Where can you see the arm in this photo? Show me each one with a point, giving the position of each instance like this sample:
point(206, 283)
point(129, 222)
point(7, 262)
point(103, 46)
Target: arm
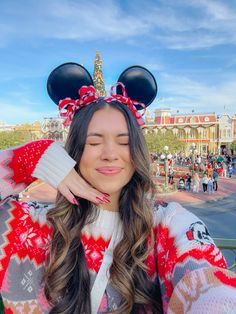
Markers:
point(45, 160)
point(191, 269)
point(42, 159)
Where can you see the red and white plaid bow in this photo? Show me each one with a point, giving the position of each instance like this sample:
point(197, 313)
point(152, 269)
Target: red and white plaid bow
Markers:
point(68, 107)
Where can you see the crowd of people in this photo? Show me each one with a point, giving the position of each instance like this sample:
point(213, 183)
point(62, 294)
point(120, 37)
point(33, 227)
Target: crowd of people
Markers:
point(202, 173)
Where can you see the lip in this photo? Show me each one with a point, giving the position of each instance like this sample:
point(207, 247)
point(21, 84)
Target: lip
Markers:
point(109, 171)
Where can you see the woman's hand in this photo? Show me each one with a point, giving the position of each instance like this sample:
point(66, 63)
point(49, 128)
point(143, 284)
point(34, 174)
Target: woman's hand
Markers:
point(74, 185)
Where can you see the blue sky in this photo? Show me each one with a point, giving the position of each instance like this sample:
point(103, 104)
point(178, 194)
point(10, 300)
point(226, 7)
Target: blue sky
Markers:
point(189, 45)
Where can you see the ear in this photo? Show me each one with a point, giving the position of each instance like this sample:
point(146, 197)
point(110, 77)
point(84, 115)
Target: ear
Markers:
point(140, 85)
point(66, 80)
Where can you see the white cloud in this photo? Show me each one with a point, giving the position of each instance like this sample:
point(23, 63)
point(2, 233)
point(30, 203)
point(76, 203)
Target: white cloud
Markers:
point(192, 24)
point(217, 10)
point(185, 24)
point(77, 20)
point(185, 94)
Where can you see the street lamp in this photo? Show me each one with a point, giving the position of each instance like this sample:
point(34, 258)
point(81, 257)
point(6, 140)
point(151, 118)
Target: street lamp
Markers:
point(165, 156)
point(193, 150)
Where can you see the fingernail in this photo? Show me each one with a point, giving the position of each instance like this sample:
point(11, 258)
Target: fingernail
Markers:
point(105, 199)
point(75, 201)
point(102, 200)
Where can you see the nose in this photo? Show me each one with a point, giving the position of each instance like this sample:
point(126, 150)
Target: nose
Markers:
point(109, 152)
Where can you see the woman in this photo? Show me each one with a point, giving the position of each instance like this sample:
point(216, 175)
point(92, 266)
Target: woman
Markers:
point(145, 256)
point(196, 182)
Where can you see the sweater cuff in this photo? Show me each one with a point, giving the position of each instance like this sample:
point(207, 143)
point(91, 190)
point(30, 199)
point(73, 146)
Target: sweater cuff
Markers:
point(54, 165)
point(205, 290)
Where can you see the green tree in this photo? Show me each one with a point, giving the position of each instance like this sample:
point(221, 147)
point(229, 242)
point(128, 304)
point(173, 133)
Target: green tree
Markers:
point(13, 138)
point(157, 141)
point(233, 146)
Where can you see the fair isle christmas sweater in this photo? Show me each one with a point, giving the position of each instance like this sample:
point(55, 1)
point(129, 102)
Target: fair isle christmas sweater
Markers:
point(191, 270)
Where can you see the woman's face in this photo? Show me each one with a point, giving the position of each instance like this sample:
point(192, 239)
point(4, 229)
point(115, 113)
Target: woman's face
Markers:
point(106, 162)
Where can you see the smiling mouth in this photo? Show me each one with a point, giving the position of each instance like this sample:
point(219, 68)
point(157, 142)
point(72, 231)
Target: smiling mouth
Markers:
point(109, 170)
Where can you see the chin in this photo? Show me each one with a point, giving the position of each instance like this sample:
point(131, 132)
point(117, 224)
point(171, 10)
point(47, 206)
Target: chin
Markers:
point(109, 188)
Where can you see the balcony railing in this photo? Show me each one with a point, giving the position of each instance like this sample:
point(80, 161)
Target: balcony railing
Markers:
point(228, 246)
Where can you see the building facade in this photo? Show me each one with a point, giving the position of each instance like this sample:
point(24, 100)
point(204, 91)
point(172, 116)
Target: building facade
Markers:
point(226, 131)
point(209, 132)
point(53, 128)
point(4, 127)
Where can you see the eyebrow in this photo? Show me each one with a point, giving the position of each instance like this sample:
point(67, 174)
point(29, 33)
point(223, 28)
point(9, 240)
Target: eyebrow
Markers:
point(100, 135)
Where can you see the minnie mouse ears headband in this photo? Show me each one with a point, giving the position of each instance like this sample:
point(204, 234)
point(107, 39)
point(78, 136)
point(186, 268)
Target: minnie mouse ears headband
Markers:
point(71, 86)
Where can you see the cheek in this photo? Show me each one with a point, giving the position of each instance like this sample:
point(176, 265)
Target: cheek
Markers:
point(130, 167)
point(85, 161)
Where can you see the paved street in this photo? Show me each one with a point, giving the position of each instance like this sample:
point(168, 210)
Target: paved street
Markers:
point(217, 210)
point(219, 215)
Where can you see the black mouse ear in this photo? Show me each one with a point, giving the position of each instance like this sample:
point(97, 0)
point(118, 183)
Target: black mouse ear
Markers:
point(66, 80)
point(140, 85)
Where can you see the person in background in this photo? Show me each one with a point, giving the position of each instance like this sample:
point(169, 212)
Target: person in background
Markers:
point(205, 180)
point(157, 169)
point(106, 245)
point(210, 186)
point(224, 169)
point(181, 184)
point(209, 170)
point(188, 182)
point(196, 182)
point(215, 178)
point(171, 175)
point(230, 170)
point(199, 160)
point(153, 167)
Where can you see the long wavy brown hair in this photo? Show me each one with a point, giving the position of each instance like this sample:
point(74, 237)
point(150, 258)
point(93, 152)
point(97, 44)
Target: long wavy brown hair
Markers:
point(66, 279)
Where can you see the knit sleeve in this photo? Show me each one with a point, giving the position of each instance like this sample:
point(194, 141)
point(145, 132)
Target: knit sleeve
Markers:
point(42, 159)
point(205, 290)
point(192, 271)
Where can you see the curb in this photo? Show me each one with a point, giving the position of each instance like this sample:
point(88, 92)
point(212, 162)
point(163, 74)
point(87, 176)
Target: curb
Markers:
point(207, 201)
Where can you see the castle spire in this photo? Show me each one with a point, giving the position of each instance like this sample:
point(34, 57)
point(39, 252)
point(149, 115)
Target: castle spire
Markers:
point(98, 76)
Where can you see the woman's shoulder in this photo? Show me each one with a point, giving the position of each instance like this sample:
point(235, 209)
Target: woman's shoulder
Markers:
point(165, 212)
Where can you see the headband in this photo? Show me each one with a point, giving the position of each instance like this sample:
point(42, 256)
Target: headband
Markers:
point(71, 87)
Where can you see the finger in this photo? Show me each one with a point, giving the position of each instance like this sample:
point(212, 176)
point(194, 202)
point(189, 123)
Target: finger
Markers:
point(67, 194)
point(91, 194)
point(84, 191)
point(79, 187)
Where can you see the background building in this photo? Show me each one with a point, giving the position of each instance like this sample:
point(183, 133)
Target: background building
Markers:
point(210, 133)
point(225, 132)
point(6, 127)
point(53, 128)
